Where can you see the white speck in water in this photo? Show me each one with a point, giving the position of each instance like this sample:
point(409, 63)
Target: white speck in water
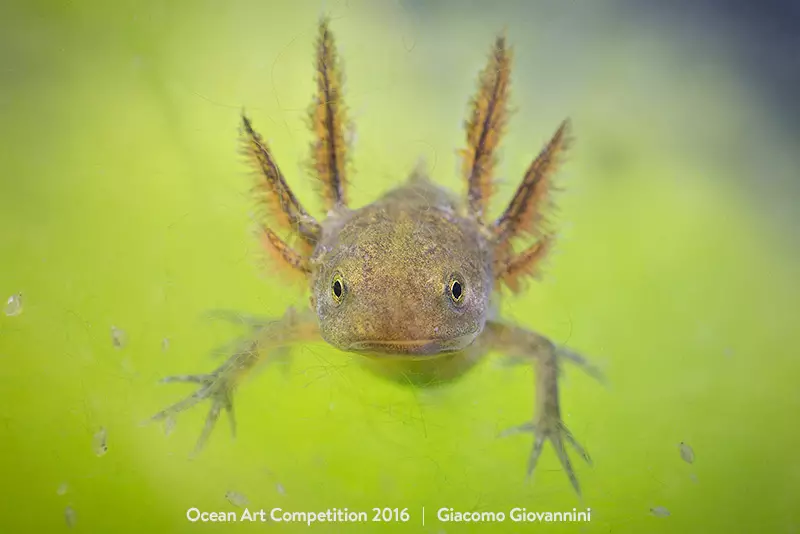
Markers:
point(693, 477)
point(70, 518)
point(127, 366)
point(165, 343)
point(14, 305)
point(280, 489)
point(118, 337)
point(169, 425)
point(62, 489)
point(236, 499)
point(687, 453)
point(331, 406)
point(99, 444)
point(659, 511)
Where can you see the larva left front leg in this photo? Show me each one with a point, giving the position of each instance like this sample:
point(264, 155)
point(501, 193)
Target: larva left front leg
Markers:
point(546, 423)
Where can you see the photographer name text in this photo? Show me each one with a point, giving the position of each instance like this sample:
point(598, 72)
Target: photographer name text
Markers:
point(385, 515)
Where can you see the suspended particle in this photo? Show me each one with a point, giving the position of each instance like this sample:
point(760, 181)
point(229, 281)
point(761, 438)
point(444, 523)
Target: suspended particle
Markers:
point(14, 305)
point(62, 489)
point(280, 489)
point(236, 499)
point(118, 337)
point(127, 366)
point(99, 443)
point(659, 511)
point(165, 343)
point(687, 453)
point(693, 477)
point(70, 518)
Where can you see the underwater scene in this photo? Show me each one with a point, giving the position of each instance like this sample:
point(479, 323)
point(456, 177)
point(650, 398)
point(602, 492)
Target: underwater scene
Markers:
point(579, 313)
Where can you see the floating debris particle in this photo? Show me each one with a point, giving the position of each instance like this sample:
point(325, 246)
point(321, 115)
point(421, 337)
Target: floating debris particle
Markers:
point(169, 425)
point(165, 343)
point(687, 453)
point(659, 511)
point(693, 477)
point(99, 443)
point(118, 337)
point(236, 499)
point(14, 305)
point(127, 366)
point(70, 518)
point(280, 489)
point(62, 489)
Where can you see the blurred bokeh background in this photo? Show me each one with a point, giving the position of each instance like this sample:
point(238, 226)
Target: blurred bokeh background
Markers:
point(124, 204)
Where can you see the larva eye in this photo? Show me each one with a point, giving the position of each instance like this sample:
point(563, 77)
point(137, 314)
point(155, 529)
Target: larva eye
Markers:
point(455, 289)
point(337, 288)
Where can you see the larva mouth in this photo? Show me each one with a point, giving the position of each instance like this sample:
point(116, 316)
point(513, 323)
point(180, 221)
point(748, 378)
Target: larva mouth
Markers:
point(417, 348)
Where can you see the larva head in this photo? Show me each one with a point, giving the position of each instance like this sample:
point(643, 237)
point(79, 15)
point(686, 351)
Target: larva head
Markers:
point(404, 276)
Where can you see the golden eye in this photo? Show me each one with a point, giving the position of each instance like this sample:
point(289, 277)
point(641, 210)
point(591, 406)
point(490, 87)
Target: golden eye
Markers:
point(337, 288)
point(456, 289)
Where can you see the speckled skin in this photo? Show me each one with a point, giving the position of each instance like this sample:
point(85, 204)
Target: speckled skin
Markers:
point(396, 258)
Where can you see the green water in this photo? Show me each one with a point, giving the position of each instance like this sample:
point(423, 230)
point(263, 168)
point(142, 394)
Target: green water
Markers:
point(123, 203)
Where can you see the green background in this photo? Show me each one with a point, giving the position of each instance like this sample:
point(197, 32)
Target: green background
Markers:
point(123, 201)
